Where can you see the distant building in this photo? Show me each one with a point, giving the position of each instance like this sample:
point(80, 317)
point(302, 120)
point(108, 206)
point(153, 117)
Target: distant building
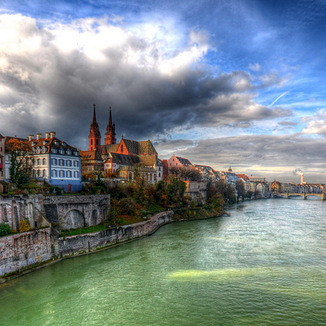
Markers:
point(179, 162)
point(208, 173)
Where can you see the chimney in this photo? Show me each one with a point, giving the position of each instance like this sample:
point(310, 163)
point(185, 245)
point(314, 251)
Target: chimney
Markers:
point(38, 136)
point(52, 134)
point(47, 135)
point(30, 137)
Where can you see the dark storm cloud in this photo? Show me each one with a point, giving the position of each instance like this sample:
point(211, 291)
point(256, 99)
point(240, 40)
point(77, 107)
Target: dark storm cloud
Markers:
point(50, 87)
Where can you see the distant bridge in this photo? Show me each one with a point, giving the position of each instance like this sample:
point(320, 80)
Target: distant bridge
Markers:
point(304, 195)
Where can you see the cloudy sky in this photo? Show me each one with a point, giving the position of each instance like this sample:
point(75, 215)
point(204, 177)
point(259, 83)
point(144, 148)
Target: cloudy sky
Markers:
point(236, 82)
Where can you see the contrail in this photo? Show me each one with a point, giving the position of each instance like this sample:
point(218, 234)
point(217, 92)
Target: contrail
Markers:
point(279, 98)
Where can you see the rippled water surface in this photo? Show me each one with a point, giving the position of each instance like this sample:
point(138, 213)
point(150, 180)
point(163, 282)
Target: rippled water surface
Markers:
point(263, 265)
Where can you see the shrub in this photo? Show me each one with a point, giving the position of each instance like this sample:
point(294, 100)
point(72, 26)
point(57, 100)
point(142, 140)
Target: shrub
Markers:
point(4, 229)
point(24, 226)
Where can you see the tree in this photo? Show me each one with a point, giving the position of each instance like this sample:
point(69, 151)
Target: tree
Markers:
point(175, 189)
point(184, 173)
point(21, 162)
point(239, 186)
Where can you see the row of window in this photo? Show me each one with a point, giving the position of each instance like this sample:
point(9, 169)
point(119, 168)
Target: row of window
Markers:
point(62, 162)
point(64, 174)
point(55, 174)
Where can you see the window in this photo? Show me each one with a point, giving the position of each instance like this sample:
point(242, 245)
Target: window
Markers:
point(39, 173)
point(54, 161)
point(69, 152)
point(68, 174)
point(121, 148)
point(38, 161)
point(76, 174)
point(62, 151)
point(61, 162)
point(75, 163)
point(54, 173)
point(44, 173)
point(68, 163)
point(91, 141)
point(62, 174)
point(76, 153)
point(44, 161)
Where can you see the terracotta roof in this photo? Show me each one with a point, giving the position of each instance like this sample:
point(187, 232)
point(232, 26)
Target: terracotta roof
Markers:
point(106, 149)
point(150, 160)
point(140, 147)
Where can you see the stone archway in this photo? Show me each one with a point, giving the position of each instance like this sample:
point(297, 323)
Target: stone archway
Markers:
point(94, 217)
point(74, 219)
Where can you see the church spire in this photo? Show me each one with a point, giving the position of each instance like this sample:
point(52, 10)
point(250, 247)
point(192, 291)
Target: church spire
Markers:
point(94, 138)
point(110, 131)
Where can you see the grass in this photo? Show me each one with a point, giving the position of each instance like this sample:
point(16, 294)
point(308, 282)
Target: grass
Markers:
point(126, 219)
point(96, 228)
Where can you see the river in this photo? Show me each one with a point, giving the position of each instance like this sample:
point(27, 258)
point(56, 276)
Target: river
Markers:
point(262, 265)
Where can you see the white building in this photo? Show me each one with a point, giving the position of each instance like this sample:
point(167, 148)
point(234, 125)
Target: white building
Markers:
point(56, 162)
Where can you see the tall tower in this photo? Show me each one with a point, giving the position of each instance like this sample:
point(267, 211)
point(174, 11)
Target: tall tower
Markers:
point(110, 132)
point(94, 138)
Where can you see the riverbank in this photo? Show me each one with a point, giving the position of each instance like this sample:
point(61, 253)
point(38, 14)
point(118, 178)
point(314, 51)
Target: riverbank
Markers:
point(18, 263)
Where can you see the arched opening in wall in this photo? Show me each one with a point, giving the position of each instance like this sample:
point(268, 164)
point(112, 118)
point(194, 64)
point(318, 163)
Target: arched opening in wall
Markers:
point(69, 187)
point(15, 219)
point(74, 219)
point(5, 214)
point(94, 217)
point(30, 215)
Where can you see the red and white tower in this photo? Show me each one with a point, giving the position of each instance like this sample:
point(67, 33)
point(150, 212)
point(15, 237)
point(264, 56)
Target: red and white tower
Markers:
point(110, 132)
point(94, 138)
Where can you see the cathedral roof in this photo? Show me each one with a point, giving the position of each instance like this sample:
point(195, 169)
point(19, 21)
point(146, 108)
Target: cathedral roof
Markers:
point(140, 147)
point(123, 159)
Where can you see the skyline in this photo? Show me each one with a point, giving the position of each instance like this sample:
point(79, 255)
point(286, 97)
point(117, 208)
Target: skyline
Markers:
point(221, 83)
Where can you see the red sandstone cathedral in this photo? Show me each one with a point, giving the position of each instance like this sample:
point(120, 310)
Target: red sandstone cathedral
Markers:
point(119, 160)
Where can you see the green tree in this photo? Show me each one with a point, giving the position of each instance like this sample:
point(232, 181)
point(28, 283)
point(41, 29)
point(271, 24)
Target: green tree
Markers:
point(4, 229)
point(175, 189)
point(21, 162)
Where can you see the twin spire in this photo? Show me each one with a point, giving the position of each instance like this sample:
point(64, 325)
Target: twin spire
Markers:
point(95, 135)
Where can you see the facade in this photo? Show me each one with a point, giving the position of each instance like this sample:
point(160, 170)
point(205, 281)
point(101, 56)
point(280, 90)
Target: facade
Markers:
point(179, 162)
point(56, 162)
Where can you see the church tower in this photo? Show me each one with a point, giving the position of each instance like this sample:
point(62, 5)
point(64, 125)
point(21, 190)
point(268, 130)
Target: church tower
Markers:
point(94, 137)
point(110, 132)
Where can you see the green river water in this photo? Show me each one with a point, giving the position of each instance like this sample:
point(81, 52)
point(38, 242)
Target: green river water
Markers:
point(263, 265)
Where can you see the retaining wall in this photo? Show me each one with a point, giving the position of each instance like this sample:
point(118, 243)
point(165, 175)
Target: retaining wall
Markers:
point(24, 249)
point(88, 242)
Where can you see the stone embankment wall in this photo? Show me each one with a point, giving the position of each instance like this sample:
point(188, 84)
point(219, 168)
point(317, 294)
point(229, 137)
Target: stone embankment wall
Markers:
point(21, 250)
point(88, 242)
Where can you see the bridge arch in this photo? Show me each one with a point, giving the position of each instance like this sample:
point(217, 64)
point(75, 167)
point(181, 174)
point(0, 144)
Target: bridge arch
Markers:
point(73, 219)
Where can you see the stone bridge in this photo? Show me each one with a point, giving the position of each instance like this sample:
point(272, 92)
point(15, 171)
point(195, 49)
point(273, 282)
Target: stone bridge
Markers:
point(288, 195)
point(71, 212)
point(64, 212)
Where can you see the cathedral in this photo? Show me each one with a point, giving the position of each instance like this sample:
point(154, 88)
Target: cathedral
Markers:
point(120, 160)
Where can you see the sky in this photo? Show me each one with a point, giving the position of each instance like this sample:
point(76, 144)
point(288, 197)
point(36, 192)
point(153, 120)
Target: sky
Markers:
point(232, 82)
